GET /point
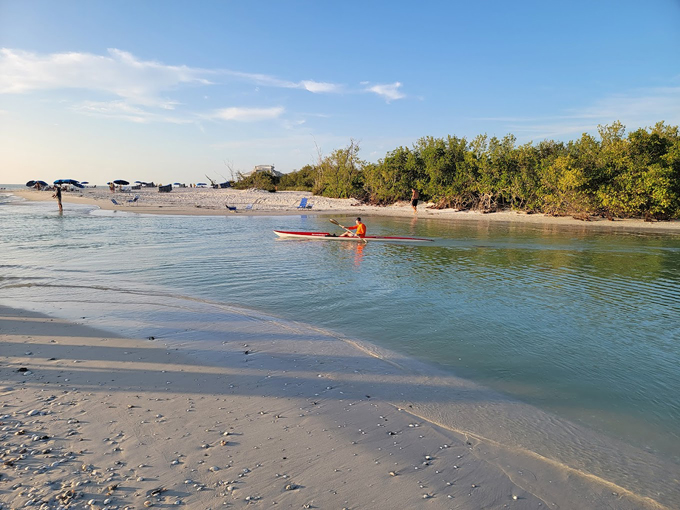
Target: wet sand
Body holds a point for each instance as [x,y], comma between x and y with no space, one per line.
[279,416]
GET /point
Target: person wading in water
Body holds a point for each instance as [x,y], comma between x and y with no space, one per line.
[57,195]
[414,200]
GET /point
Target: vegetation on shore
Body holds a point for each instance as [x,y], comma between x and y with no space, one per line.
[637,175]
[259,180]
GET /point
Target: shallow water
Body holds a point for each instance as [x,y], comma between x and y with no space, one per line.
[582,323]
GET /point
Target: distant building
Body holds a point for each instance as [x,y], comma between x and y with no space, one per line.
[266,169]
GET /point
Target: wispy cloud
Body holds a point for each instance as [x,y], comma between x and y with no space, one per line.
[321,87]
[122,74]
[125,111]
[636,109]
[389,91]
[312,143]
[138,89]
[316,87]
[247,114]
[119,73]
[645,106]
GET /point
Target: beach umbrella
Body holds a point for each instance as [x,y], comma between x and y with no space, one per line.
[30,184]
[201,184]
[121,182]
[84,182]
[177,184]
[42,183]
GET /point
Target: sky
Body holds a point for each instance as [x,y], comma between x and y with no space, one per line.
[174,91]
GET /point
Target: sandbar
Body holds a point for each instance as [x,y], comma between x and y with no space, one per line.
[201,201]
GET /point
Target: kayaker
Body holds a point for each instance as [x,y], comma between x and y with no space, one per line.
[359,227]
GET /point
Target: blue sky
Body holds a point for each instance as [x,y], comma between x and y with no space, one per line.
[173,90]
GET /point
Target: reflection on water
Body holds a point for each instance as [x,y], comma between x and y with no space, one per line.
[580,322]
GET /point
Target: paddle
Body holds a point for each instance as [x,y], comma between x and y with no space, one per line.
[348,230]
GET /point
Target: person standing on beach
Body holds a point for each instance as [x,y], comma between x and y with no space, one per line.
[57,195]
[414,200]
[359,227]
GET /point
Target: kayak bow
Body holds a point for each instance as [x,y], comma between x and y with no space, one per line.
[326,236]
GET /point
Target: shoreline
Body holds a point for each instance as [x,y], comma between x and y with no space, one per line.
[209,202]
[276,415]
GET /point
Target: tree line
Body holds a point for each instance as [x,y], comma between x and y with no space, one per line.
[615,175]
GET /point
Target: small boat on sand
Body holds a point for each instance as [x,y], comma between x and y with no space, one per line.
[327,236]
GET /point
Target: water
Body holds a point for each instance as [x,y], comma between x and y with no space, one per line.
[582,323]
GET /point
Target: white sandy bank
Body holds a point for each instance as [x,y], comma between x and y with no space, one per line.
[201,201]
[286,420]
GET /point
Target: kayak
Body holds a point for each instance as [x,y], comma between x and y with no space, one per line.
[327,236]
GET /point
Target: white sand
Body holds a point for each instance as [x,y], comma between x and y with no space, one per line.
[200,201]
[284,421]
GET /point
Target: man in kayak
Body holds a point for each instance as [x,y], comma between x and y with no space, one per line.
[359,227]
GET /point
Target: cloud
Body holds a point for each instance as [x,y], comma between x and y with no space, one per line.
[315,87]
[636,109]
[320,87]
[120,85]
[125,111]
[389,91]
[247,114]
[290,142]
[119,73]
[644,106]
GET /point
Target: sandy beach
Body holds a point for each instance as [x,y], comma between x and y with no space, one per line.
[287,418]
[202,201]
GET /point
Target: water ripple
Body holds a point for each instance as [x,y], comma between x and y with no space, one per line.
[584,324]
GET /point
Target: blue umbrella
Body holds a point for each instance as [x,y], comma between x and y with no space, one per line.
[121,182]
[30,184]
[84,182]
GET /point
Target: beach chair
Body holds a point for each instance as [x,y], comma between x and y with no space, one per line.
[231,208]
[133,200]
[115,202]
[249,207]
[303,204]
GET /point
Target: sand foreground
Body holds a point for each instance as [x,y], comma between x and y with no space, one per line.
[284,420]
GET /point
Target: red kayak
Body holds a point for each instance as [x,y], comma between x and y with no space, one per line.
[326,236]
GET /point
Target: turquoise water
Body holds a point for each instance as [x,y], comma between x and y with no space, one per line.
[582,323]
